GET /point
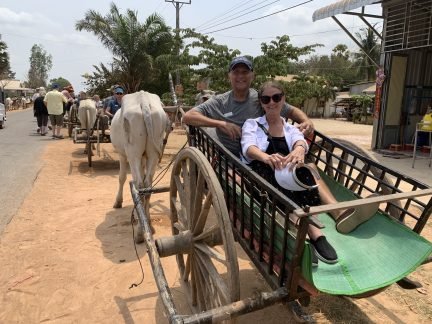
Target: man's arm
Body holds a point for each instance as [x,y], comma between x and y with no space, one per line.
[195,118]
[306,125]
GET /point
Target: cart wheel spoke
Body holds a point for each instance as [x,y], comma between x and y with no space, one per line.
[206,285]
[200,286]
[179,226]
[187,270]
[178,204]
[194,291]
[197,198]
[217,284]
[213,230]
[202,217]
[210,252]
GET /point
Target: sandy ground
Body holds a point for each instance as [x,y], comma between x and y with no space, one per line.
[68,256]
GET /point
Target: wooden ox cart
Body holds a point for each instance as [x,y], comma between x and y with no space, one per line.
[90,135]
[216,200]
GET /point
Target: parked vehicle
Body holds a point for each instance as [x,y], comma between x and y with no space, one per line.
[2,115]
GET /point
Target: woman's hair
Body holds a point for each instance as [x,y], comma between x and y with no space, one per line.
[270,84]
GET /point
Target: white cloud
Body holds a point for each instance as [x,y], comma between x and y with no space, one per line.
[11,20]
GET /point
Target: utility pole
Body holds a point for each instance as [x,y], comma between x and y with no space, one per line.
[178,4]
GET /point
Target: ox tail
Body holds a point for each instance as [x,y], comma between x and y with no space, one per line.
[153,131]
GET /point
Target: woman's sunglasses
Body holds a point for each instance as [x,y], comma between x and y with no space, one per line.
[276,98]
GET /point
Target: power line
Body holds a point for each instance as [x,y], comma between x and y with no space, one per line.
[244,14]
[298,35]
[224,13]
[259,18]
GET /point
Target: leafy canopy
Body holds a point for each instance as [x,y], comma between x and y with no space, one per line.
[134,45]
[40,65]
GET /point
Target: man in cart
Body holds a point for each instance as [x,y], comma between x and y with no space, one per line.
[228,111]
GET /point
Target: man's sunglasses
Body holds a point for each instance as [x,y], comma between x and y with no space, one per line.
[119,93]
[276,98]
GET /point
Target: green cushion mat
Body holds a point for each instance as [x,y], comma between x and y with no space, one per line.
[375,255]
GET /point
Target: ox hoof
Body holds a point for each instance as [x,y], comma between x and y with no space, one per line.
[117,204]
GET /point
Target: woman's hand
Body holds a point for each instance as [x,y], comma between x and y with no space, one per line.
[296,156]
[275,161]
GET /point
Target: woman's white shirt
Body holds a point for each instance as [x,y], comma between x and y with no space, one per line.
[252,134]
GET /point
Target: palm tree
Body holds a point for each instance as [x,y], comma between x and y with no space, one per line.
[365,60]
[134,45]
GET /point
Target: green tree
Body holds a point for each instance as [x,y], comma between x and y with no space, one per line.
[277,56]
[134,45]
[363,102]
[212,61]
[100,80]
[338,68]
[365,60]
[40,65]
[62,82]
[5,69]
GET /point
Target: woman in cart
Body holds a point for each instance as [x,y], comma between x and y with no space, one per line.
[270,144]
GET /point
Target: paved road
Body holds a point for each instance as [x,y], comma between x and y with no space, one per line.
[20,151]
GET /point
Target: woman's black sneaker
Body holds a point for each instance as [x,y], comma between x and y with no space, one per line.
[324,251]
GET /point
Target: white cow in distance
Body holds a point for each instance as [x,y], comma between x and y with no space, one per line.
[137,133]
[87,108]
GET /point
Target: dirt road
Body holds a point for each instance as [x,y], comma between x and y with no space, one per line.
[68,257]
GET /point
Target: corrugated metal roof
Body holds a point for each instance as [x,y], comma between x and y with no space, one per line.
[13,85]
[340,7]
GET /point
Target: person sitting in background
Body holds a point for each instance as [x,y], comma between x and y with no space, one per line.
[269,143]
[115,104]
[103,118]
[98,103]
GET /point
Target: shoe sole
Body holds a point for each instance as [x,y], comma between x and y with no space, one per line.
[361,215]
[320,257]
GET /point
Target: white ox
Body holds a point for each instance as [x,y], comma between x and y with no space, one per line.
[87,113]
[137,133]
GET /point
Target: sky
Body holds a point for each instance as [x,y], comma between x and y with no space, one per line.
[24,23]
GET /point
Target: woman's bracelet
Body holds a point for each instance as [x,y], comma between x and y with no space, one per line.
[302,145]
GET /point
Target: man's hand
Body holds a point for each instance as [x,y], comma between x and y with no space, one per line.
[232,130]
[306,127]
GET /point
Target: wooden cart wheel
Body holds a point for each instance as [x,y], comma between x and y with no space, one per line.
[209,270]
[70,128]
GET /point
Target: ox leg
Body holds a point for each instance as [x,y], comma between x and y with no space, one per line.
[135,164]
[122,178]
[152,159]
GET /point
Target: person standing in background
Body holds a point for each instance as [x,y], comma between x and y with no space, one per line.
[41,112]
[54,101]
